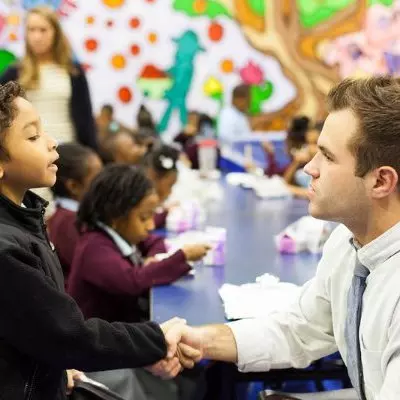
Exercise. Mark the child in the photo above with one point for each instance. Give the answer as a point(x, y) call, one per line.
point(109, 278)
point(77, 166)
point(295, 140)
point(161, 168)
point(123, 148)
point(294, 174)
point(108, 275)
point(197, 125)
point(106, 123)
point(187, 139)
point(42, 330)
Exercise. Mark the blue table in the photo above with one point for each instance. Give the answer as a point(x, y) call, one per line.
point(251, 225)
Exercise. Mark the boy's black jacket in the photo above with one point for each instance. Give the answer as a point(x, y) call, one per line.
point(42, 331)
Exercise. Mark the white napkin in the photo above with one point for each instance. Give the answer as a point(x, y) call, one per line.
point(258, 299)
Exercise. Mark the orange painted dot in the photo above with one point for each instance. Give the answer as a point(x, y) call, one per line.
point(91, 45)
point(12, 37)
point(118, 61)
point(152, 37)
point(13, 19)
point(215, 31)
point(135, 50)
point(125, 94)
point(114, 3)
point(90, 20)
point(200, 6)
point(134, 23)
point(227, 66)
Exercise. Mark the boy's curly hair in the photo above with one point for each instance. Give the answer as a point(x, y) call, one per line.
point(8, 111)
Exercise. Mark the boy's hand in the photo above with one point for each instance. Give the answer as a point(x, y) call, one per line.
point(195, 252)
point(73, 375)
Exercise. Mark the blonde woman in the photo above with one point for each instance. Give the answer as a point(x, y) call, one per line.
point(54, 83)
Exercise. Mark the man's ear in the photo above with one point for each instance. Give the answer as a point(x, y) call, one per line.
point(385, 182)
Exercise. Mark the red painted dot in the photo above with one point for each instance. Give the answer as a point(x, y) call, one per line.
point(134, 23)
point(125, 94)
point(135, 49)
point(215, 31)
point(91, 45)
point(109, 23)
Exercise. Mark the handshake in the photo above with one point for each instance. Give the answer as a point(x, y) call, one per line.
point(184, 349)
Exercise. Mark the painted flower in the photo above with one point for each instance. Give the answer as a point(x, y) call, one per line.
point(213, 87)
point(252, 74)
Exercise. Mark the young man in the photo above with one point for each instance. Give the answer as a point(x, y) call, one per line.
point(352, 303)
point(42, 330)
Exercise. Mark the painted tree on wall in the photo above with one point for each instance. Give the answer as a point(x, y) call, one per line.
point(293, 32)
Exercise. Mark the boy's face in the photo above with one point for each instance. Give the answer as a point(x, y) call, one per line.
point(31, 152)
point(242, 103)
point(140, 221)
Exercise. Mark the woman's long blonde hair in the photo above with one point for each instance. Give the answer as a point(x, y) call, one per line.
point(62, 52)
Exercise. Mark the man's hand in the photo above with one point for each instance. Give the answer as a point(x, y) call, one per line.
point(179, 356)
point(73, 375)
point(191, 338)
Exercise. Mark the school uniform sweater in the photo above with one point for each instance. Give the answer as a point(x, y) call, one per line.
point(108, 279)
point(64, 235)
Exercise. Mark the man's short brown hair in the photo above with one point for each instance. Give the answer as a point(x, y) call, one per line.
point(375, 102)
point(8, 111)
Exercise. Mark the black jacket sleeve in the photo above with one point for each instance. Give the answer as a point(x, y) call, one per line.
point(81, 110)
point(40, 321)
point(10, 74)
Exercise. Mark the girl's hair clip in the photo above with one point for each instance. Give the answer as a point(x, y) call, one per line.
point(166, 162)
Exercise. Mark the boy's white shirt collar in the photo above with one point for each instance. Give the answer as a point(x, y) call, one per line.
point(68, 204)
point(124, 247)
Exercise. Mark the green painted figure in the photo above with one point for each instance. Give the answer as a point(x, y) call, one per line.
point(181, 73)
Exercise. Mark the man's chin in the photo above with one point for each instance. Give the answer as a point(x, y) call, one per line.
point(315, 211)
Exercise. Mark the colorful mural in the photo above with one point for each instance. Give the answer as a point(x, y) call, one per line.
point(182, 55)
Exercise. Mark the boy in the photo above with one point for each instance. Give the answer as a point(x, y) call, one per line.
point(42, 331)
